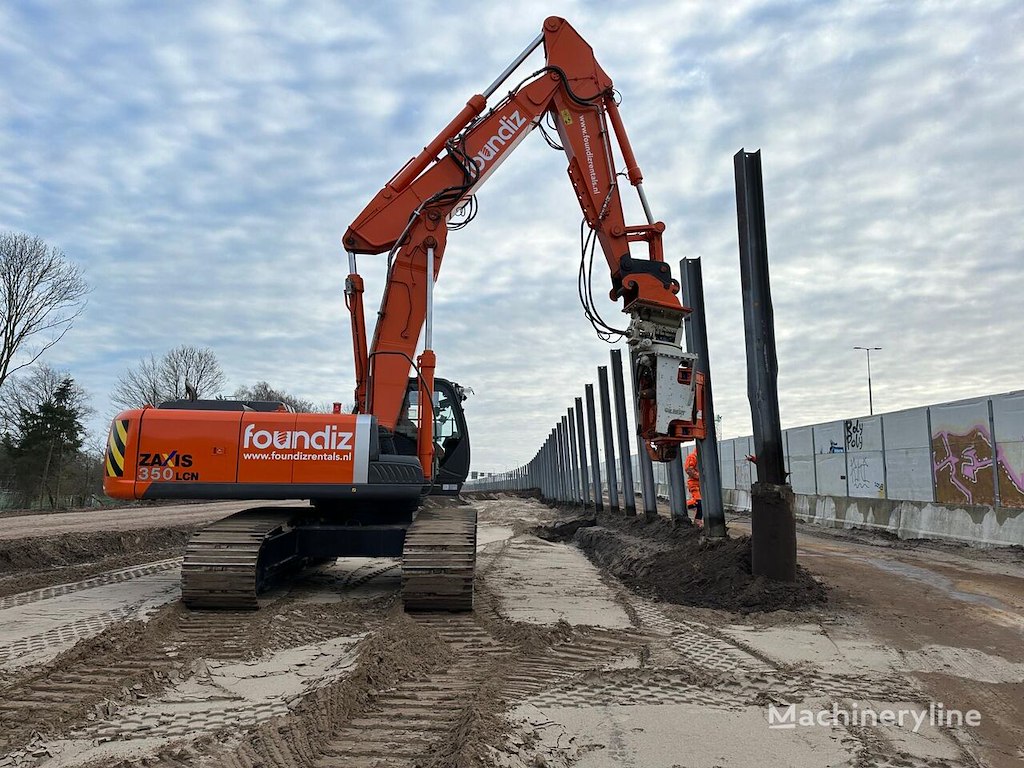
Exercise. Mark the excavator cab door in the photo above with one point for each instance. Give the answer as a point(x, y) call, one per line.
point(451, 439)
point(451, 436)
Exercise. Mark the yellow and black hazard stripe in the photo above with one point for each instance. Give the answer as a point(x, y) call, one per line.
point(116, 447)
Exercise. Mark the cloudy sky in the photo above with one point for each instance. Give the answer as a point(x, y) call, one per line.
point(201, 161)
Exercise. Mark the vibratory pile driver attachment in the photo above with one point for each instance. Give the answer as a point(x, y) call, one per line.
point(669, 391)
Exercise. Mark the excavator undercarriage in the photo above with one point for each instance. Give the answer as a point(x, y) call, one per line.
point(230, 562)
point(367, 491)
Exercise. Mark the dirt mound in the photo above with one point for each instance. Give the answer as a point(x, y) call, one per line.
point(564, 528)
point(73, 549)
point(42, 561)
point(675, 564)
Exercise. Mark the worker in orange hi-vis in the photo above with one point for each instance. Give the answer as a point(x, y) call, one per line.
point(693, 489)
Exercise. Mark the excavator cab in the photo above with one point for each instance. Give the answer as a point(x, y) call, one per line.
point(451, 435)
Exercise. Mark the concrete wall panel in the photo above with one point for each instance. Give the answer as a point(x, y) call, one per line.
point(863, 434)
point(1008, 415)
point(830, 458)
point(962, 453)
point(906, 429)
point(746, 473)
point(908, 466)
point(866, 474)
point(865, 461)
point(881, 472)
point(800, 441)
point(727, 461)
point(661, 479)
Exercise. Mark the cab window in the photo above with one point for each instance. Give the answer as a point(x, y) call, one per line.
point(446, 424)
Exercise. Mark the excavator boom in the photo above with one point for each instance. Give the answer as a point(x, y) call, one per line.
point(409, 219)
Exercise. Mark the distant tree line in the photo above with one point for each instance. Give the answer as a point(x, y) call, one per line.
point(187, 372)
point(42, 459)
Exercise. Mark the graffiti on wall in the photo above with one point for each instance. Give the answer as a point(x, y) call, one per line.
point(854, 434)
point(865, 477)
point(963, 470)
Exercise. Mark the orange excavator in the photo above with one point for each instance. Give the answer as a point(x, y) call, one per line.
point(366, 472)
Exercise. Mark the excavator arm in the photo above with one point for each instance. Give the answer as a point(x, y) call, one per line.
point(409, 219)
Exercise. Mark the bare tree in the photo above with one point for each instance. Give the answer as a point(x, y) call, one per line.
point(40, 385)
point(154, 380)
point(191, 365)
point(261, 390)
point(41, 296)
point(141, 385)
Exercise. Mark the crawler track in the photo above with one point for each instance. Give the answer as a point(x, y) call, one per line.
point(226, 563)
point(439, 560)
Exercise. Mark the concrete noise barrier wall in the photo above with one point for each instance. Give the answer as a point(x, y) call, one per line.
point(949, 471)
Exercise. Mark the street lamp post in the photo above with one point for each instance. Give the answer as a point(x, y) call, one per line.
point(869, 350)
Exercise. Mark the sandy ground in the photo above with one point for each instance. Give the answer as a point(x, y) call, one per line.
point(533, 577)
point(905, 627)
point(954, 620)
point(36, 626)
point(560, 665)
point(127, 518)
